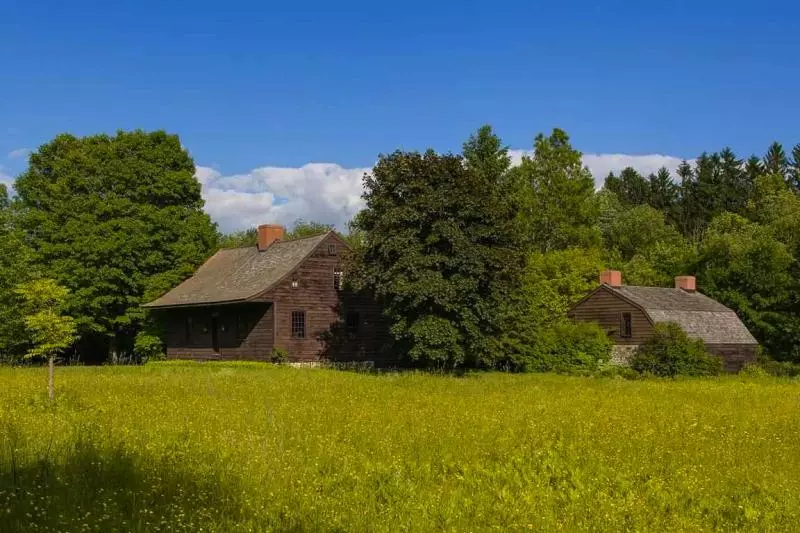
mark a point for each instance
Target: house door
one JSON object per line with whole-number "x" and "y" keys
{"x": 215, "y": 334}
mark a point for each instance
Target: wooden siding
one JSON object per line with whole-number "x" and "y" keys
{"x": 253, "y": 342}
{"x": 323, "y": 305}
{"x": 734, "y": 356}
{"x": 605, "y": 308}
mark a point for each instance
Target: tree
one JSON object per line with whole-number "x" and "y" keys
{"x": 794, "y": 169}
{"x": 51, "y": 330}
{"x": 238, "y": 239}
{"x": 306, "y": 228}
{"x": 742, "y": 264}
{"x": 557, "y": 192}
{"x": 15, "y": 267}
{"x": 630, "y": 187}
{"x": 442, "y": 245}
{"x": 663, "y": 191}
{"x": 690, "y": 216}
{"x": 775, "y": 161}
{"x": 118, "y": 220}
{"x": 638, "y": 230}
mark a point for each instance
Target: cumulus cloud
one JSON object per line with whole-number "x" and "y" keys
{"x": 330, "y": 193}
{"x": 324, "y": 192}
{"x": 18, "y": 153}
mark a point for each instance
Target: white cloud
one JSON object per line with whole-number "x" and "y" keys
{"x": 6, "y": 179}
{"x": 330, "y": 193}
{"x": 18, "y": 153}
{"x": 601, "y": 164}
{"x": 324, "y": 192}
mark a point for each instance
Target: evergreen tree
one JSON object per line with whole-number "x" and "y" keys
{"x": 690, "y": 217}
{"x": 736, "y": 188}
{"x": 794, "y": 169}
{"x": 663, "y": 191}
{"x": 775, "y": 161}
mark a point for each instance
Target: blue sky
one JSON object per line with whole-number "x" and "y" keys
{"x": 255, "y": 84}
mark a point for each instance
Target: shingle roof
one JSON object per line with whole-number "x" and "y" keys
{"x": 699, "y": 316}
{"x": 238, "y": 274}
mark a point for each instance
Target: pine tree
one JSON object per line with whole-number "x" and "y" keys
{"x": 775, "y": 162}
{"x": 794, "y": 169}
{"x": 735, "y": 187}
{"x": 663, "y": 191}
{"x": 688, "y": 212}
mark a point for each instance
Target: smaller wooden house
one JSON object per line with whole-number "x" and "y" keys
{"x": 243, "y": 303}
{"x": 629, "y": 313}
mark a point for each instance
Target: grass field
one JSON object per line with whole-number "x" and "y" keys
{"x": 213, "y": 447}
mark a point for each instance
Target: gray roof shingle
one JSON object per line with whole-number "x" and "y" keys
{"x": 237, "y": 274}
{"x": 699, "y": 316}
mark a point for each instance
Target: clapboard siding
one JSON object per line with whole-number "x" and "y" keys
{"x": 245, "y": 332}
{"x": 734, "y": 356}
{"x": 606, "y": 308}
{"x": 323, "y": 304}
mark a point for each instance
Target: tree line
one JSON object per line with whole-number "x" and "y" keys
{"x": 475, "y": 261}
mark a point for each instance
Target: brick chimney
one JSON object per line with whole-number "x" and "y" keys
{"x": 611, "y": 277}
{"x": 686, "y": 283}
{"x": 267, "y": 234}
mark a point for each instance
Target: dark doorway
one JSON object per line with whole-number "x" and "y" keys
{"x": 215, "y": 334}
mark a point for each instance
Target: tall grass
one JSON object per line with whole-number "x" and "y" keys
{"x": 237, "y": 447}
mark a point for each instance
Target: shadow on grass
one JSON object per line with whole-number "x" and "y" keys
{"x": 101, "y": 490}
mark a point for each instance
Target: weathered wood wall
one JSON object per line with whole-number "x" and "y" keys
{"x": 605, "y": 308}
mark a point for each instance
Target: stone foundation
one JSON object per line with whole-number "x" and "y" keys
{"x": 621, "y": 353}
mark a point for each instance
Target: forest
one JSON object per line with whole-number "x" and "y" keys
{"x": 475, "y": 260}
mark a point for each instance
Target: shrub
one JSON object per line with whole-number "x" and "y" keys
{"x": 279, "y": 356}
{"x": 670, "y": 352}
{"x": 567, "y": 347}
{"x": 784, "y": 369}
{"x": 148, "y": 347}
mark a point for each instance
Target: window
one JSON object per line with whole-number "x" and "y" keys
{"x": 188, "y": 330}
{"x": 351, "y": 322}
{"x": 625, "y": 325}
{"x": 299, "y": 324}
{"x": 337, "y": 279}
{"x": 331, "y": 249}
{"x": 295, "y": 283}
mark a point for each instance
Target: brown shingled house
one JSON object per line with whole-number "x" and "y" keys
{"x": 629, "y": 313}
{"x": 243, "y": 302}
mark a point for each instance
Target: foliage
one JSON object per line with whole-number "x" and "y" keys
{"x": 118, "y": 220}
{"x": 238, "y": 239}
{"x": 442, "y": 248}
{"x": 638, "y": 231}
{"x": 671, "y": 352}
{"x": 148, "y": 347}
{"x": 742, "y": 265}
{"x": 279, "y": 355}
{"x": 565, "y": 347}
{"x": 248, "y": 447}
{"x": 15, "y": 268}
{"x": 306, "y": 228}
{"x": 50, "y": 330}
{"x": 556, "y": 192}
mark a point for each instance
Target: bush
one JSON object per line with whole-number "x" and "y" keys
{"x": 279, "y": 356}
{"x": 783, "y": 369}
{"x": 148, "y": 347}
{"x": 670, "y": 352}
{"x": 567, "y": 347}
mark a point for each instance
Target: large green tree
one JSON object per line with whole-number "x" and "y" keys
{"x": 117, "y": 220}
{"x": 557, "y": 193}
{"x": 442, "y": 246}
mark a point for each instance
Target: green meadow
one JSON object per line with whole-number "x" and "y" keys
{"x": 248, "y": 447}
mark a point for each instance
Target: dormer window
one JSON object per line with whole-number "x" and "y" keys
{"x": 331, "y": 249}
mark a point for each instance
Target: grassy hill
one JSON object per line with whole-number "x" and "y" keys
{"x": 245, "y": 447}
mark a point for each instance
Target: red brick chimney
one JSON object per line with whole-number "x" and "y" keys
{"x": 686, "y": 283}
{"x": 267, "y": 234}
{"x": 611, "y": 277}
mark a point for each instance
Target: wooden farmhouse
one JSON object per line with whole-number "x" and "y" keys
{"x": 628, "y": 313}
{"x": 289, "y": 294}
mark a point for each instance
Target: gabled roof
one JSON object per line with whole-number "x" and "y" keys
{"x": 700, "y": 317}
{"x": 239, "y": 274}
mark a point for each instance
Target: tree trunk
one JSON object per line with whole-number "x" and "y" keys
{"x": 51, "y": 378}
